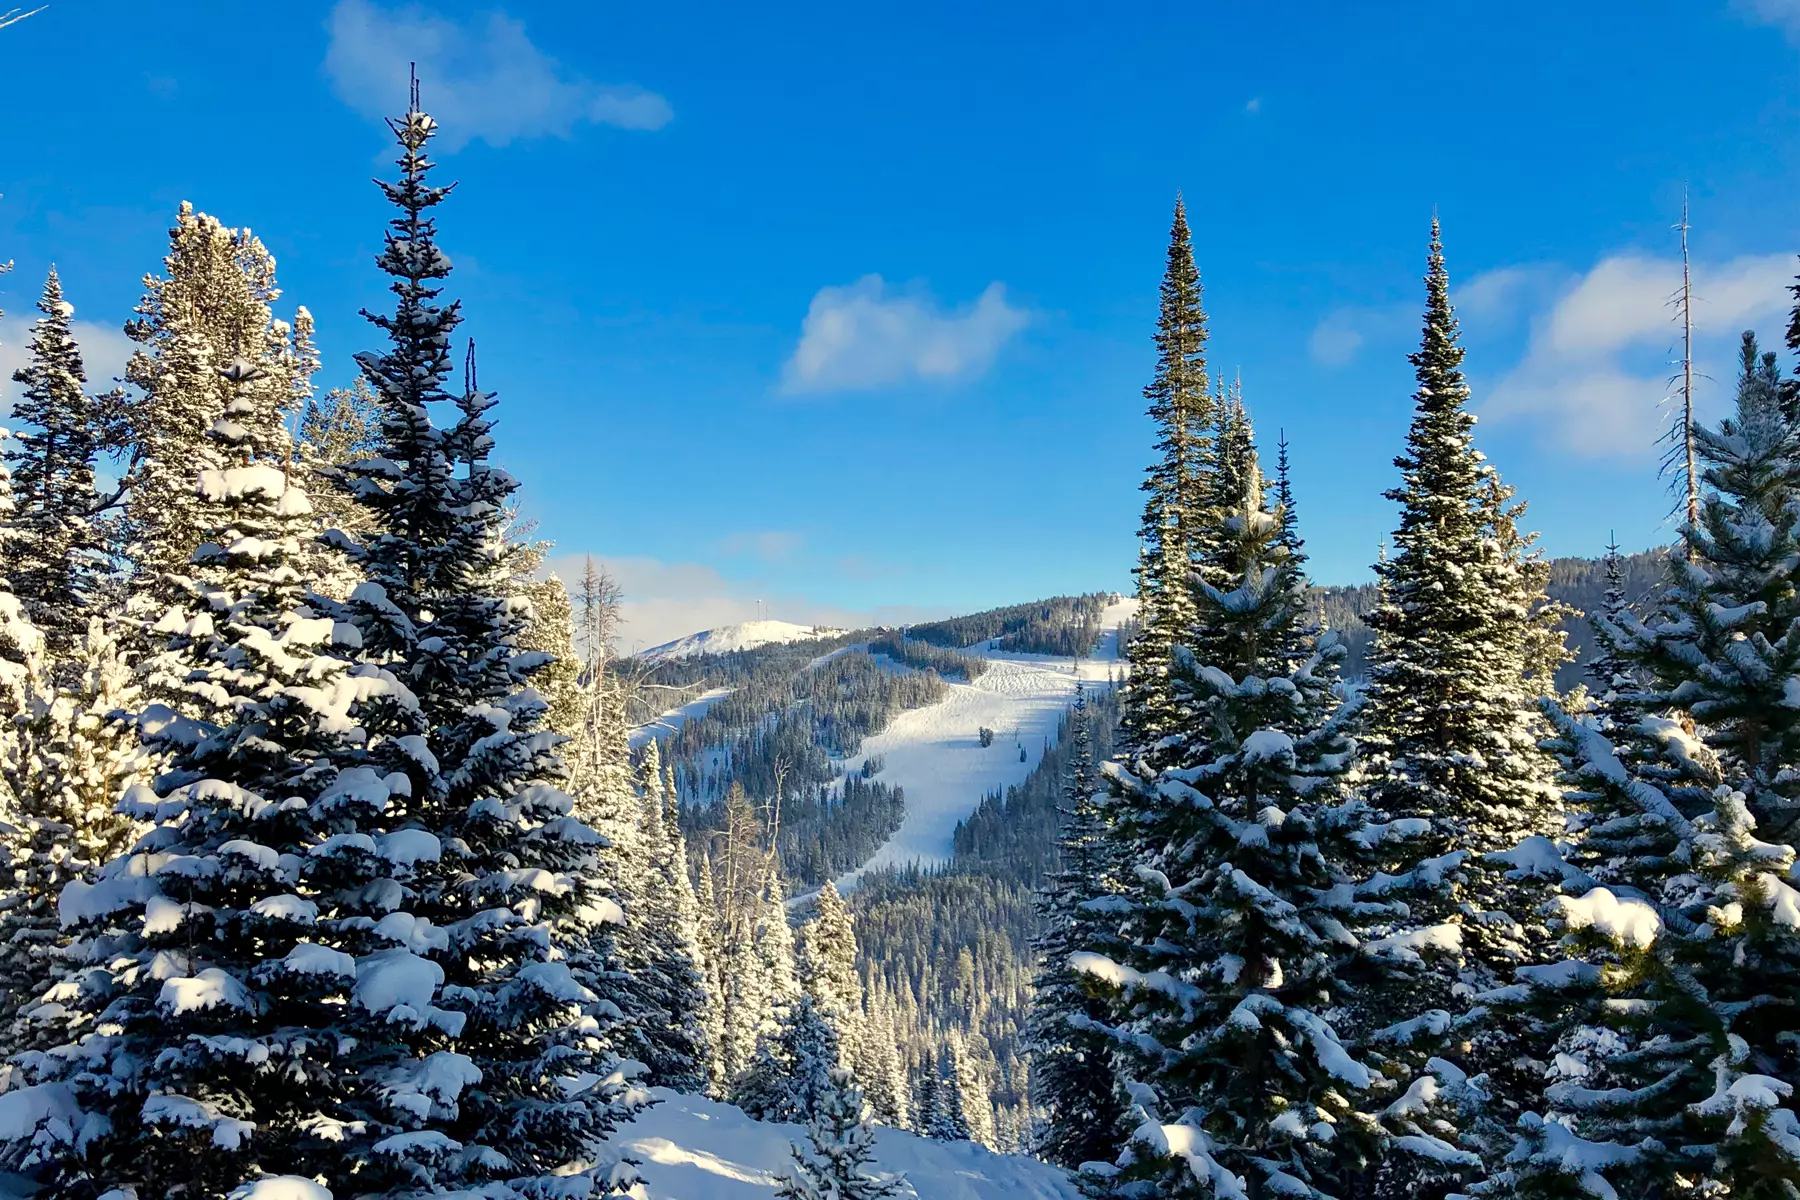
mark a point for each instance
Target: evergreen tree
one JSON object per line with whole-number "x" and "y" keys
{"x": 1226, "y": 989}
{"x": 1723, "y": 640}
{"x": 57, "y": 569}
{"x": 1181, "y": 405}
{"x": 790, "y": 1079}
{"x": 76, "y": 754}
{"x": 1458, "y": 659}
{"x": 281, "y": 937}
{"x": 527, "y": 968}
{"x": 211, "y": 307}
{"x": 1073, "y": 1081}
{"x": 842, "y": 1148}
{"x": 1677, "y": 1030}
{"x": 674, "y": 919}
{"x": 828, "y": 974}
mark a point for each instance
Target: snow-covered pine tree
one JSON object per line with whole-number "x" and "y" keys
{"x": 76, "y": 753}
{"x": 211, "y": 307}
{"x": 1230, "y": 461}
{"x": 1073, "y": 1082}
{"x": 1735, "y": 606}
{"x": 713, "y": 958}
{"x": 940, "y": 1100}
{"x": 842, "y": 1149}
{"x": 21, "y": 643}
{"x": 790, "y": 1077}
{"x": 828, "y": 974}
{"x": 56, "y": 566}
{"x": 1288, "y": 536}
{"x": 518, "y": 888}
{"x": 973, "y": 1105}
{"x": 1225, "y": 991}
{"x": 1182, "y": 407}
{"x": 673, "y": 915}
{"x": 881, "y": 1066}
{"x": 1454, "y": 760}
{"x": 242, "y": 963}
{"x": 1689, "y": 1035}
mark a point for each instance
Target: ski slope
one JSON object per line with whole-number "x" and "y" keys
{"x": 670, "y": 721}
{"x": 935, "y": 753}
{"x": 727, "y": 638}
{"x": 689, "y": 1148}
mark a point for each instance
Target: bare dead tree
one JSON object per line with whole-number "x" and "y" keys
{"x": 1680, "y": 459}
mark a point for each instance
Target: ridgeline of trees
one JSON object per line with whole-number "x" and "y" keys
{"x": 1065, "y": 625}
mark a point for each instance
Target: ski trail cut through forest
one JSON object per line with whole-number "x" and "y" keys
{"x": 935, "y": 753}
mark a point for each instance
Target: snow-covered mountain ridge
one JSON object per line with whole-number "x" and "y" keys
{"x": 728, "y": 638}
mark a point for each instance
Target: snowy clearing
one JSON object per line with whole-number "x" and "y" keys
{"x": 689, "y": 1148}
{"x": 935, "y": 753}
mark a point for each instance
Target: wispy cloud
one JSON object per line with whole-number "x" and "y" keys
{"x": 104, "y": 352}
{"x": 666, "y": 600}
{"x": 485, "y": 80}
{"x": 869, "y": 336}
{"x": 1783, "y": 14}
{"x": 1599, "y": 360}
{"x": 1340, "y": 337}
{"x": 1496, "y": 299}
{"x": 767, "y": 545}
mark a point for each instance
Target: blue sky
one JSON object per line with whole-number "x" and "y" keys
{"x": 846, "y": 308}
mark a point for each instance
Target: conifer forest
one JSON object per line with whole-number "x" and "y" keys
{"x": 346, "y": 855}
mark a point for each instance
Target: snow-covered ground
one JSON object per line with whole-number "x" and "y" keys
{"x": 672, "y": 720}
{"x": 727, "y": 638}
{"x": 693, "y": 1149}
{"x": 935, "y": 753}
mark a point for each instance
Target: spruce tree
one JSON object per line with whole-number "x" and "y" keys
{"x": 842, "y": 1147}
{"x": 828, "y": 972}
{"x": 210, "y": 307}
{"x": 1226, "y": 990}
{"x": 1073, "y": 1080}
{"x": 75, "y": 754}
{"x": 1461, "y": 645}
{"x": 520, "y": 885}
{"x": 1723, "y": 641}
{"x": 1688, "y": 1025}
{"x": 673, "y": 916}
{"x": 1182, "y": 408}
{"x": 57, "y": 567}
{"x": 243, "y": 962}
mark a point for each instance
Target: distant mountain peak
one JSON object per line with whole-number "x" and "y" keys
{"x": 747, "y": 635}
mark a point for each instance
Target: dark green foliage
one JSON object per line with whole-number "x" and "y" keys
{"x": 926, "y": 656}
{"x": 1013, "y": 834}
{"x": 1062, "y": 625}
{"x": 834, "y": 830}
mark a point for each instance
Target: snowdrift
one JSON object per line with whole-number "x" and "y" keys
{"x": 690, "y": 1148}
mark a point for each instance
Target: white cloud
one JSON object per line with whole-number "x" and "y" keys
{"x": 864, "y": 336}
{"x": 665, "y": 600}
{"x": 483, "y": 80}
{"x": 1783, "y": 14}
{"x": 768, "y": 545}
{"x": 1493, "y": 299}
{"x": 104, "y": 351}
{"x": 1340, "y": 337}
{"x": 1598, "y": 363}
